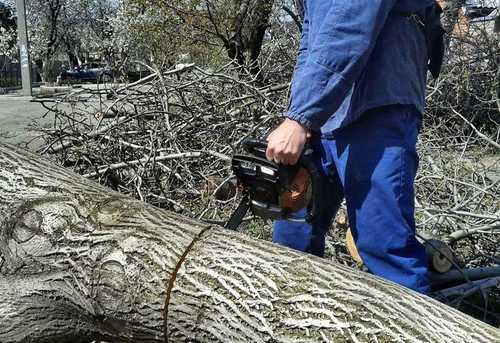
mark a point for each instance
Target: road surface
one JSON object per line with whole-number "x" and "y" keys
{"x": 18, "y": 116}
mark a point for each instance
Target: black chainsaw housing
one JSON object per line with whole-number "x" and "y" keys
{"x": 262, "y": 182}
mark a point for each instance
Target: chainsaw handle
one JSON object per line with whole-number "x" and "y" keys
{"x": 255, "y": 146}
{"x": 306, "y": 160}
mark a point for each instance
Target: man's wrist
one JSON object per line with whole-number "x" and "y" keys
{"x": 304, "y": 121}
{"x": 299, "y": 124}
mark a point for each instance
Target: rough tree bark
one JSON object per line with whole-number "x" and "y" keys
{"x": 51, "y": 16}
{"x": 80, "y": 262}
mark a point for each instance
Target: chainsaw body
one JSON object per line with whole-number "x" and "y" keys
{"x": 263, "y": 184}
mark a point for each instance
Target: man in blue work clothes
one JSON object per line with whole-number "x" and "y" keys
{"x": 358, "y": 92}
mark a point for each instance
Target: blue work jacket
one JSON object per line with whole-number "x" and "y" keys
{"x": 356, "y": 55}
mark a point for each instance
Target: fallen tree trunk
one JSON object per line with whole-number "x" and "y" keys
{"x": 79, "y": 262}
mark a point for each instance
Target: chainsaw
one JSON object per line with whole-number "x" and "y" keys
{"x": 275, "y": 191}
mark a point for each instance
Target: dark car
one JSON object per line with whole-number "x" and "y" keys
{"x": 89, "y": 72}
{"x": 479, "y": 10}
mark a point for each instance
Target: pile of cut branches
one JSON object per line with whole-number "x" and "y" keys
{"x": 166, "y": 139}
{"x": 459, "y": 181}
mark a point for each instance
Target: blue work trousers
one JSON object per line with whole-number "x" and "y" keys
{"x": 372, "y": 163}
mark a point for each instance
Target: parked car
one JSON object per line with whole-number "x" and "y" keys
{"x": 481, "y": 10}
{"x": 89, "y": 72}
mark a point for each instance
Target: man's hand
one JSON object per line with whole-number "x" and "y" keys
{"x": 285, "y": 143}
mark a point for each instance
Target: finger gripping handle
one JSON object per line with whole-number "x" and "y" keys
{"x": 254, "y": 145}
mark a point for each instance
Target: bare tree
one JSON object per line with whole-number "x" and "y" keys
{"x": 239, "y": 25}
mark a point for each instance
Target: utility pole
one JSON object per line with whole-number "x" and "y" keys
{"x": 24, "y": 51}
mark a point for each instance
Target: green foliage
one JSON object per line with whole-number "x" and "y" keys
{"x": 151, "y": 32}
{"x": 7, "y": 30}
{"x": 208, "y": 31}
{"x": 7, "y": 20}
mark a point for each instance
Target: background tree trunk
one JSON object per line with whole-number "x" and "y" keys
{"x": 80, "y": 262}
{"x": 52, "y": 15}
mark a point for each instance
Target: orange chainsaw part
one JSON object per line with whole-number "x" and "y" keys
{"x": 352, "y": 249}
{"x": 298, "y": 194}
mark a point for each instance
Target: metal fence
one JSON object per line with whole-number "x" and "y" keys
{"x": 10, "y": 75}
